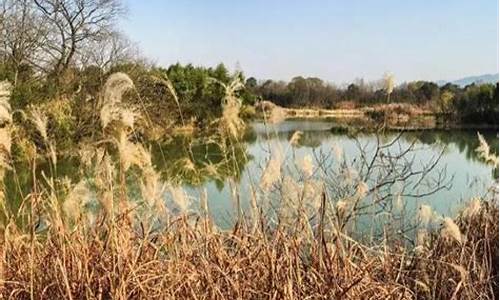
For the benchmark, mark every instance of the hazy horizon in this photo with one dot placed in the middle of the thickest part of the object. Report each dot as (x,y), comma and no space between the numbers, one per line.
(338,42)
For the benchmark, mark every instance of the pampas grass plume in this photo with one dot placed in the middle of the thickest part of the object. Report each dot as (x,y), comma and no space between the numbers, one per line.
(450,230)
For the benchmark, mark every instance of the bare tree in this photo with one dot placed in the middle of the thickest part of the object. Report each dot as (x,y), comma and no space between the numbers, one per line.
(73,23)
(104,53)
(21,34)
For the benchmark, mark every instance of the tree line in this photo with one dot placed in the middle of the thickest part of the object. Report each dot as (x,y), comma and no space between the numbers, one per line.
(472,103)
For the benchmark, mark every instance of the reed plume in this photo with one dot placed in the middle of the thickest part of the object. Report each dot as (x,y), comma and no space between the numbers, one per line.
(451,230)
(231,106)
(180,198)
(277,115)
(425,214)
(5,108)
(40,120)
(5,135)
(398,202)
(485,153)
(5,152)
(296,137)
(307,166)
(388,83)
(272,171)
(76,200)
(105,181)
(473,208)
(116,85)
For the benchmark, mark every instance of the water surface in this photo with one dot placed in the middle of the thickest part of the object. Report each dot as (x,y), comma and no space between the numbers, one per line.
(462,173)
(199,165)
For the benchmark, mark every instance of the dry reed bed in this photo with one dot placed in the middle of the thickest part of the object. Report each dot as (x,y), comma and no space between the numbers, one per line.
(193,260)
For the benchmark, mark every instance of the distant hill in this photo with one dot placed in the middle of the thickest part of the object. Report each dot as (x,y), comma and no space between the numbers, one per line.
(486,78)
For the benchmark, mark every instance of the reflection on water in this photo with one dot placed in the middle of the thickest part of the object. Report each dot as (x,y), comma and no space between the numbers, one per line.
(197,162)
(206,164)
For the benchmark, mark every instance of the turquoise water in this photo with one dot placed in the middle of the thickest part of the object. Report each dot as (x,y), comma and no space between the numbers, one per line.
(459,169)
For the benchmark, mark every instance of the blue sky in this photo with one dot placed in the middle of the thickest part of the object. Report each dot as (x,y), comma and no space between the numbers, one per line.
(334,40)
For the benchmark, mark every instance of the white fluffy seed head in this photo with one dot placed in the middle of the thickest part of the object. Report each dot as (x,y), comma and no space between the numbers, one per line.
(123,117)
(5,89)
(398,201)
(5,109)
(342,206)
(295,139)
(111,110)
(104,179)
(230,116)
(422,236)
(40,120)
(132,154)
(5,131)
(76,200)
(152,190)
(150,185)
(108,113)
(86,153)
(425,215)
(180,198)
(114,88)
(127,117)
(5,140)
(231,107)
(484,151)
(277,115)
(271,173)
(450,230)
(307,166)
(362,189)
(473,208)
(389,83)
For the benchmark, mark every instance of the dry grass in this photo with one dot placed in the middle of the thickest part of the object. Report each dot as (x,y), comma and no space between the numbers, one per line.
(399,108)
(193,260)
(124,249)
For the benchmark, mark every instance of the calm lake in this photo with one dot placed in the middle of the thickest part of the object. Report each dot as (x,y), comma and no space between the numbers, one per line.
(465,175)
(198,165)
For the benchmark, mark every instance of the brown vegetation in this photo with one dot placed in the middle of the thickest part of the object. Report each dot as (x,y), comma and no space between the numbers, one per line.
(194,260)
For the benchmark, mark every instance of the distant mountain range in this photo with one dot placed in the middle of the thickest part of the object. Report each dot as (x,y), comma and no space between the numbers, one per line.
(486,78)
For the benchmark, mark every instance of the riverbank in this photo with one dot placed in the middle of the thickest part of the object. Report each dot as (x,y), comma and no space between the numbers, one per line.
(394,116)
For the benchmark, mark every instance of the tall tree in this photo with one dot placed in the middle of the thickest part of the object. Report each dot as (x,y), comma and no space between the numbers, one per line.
(107,52)
(21,36)
(72,23)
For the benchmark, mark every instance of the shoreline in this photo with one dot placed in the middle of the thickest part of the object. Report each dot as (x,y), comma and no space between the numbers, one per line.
(369,119)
